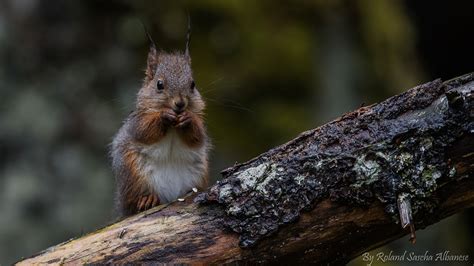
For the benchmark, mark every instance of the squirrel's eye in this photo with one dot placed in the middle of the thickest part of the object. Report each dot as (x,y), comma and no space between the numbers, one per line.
(193,85)
(159,85)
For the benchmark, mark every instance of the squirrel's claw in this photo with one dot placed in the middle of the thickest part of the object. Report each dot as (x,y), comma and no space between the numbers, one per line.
(140,203)
(156,201)
(184,120)
(147,202)
(168,116)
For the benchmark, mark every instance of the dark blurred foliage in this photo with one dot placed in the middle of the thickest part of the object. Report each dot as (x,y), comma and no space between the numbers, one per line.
(69,72)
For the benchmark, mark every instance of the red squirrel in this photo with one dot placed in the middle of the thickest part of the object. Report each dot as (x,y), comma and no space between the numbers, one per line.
(161,151)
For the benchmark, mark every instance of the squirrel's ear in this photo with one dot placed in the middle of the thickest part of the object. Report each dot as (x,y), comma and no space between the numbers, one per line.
(152,60)
(188,40)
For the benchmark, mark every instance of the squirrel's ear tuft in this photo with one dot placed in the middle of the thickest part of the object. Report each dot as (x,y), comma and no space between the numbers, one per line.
(152,59)
(188,40)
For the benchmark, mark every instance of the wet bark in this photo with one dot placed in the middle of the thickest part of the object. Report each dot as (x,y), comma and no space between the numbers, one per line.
(324,197)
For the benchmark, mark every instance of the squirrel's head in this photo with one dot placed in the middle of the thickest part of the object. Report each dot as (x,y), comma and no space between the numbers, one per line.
(169,82)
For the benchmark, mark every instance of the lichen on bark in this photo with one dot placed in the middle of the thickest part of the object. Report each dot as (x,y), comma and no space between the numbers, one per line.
(397,147)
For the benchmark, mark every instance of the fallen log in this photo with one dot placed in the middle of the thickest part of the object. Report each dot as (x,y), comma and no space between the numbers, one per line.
(332,193)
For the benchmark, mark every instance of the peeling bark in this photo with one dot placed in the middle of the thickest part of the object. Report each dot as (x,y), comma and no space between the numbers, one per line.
(324,197)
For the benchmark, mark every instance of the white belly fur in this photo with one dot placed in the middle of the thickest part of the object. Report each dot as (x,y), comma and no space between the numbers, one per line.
(171,167)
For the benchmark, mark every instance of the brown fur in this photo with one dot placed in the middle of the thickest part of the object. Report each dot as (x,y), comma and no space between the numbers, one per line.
(150,127)
(133,185)
(192,133)
(136,195)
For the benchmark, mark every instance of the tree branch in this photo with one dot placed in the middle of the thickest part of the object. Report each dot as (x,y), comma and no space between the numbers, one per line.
(324,197)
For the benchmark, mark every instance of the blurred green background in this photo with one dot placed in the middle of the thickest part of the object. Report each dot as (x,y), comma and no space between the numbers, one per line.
(69,72)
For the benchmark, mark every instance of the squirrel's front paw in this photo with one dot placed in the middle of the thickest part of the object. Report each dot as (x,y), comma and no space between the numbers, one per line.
(183,120)
(168,116)
(147,202)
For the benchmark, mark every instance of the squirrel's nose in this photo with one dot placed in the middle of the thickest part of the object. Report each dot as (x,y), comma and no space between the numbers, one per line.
(179,106)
